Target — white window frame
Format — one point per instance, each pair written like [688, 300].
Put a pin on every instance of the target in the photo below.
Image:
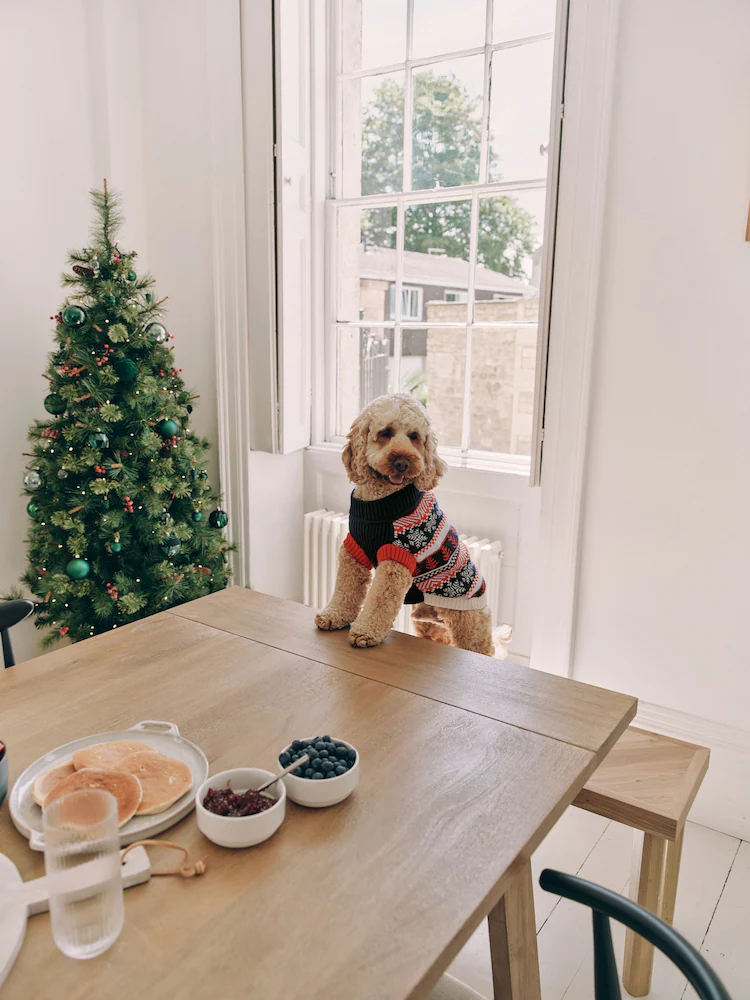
[404, 289]
[460, 295]
[244, 236]
[324, 395]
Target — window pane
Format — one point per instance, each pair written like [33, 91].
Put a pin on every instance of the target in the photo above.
[447, 123]
[519, 111]
[509, 248]
[374, 33]
[366, 267]
[436, 378]
[372, 134]
[364, 368]
[441, 26]
[522, 18]
[503, 364]
[436, 256]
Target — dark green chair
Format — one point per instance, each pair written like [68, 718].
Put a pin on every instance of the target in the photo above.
[605, 905]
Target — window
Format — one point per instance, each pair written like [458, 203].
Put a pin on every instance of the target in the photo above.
[440, 138]
[411, 303]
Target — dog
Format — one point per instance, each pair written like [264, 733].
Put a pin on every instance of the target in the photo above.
[397, 528]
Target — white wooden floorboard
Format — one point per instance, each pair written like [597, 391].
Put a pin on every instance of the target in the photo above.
[565, 939]
[727, 943]
[706, 861]
[566, 847]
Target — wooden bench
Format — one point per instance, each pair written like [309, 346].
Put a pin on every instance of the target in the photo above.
[648, 782]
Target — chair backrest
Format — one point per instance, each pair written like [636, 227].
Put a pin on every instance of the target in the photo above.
[11, 613]
[605, 904]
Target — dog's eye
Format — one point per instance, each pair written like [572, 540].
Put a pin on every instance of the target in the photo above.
[387, 433]
[414, 436]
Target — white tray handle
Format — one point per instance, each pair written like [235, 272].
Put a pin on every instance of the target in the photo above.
[154, 726]
[36, 841]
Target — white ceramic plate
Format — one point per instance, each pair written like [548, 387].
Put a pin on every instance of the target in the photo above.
[162, 736]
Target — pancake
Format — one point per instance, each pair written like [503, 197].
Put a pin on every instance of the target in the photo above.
[106, 756]
[125, 787]
[47, 781]
[163, 779]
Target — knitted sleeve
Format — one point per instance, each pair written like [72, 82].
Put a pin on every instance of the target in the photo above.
[356, 551]
[396, 553]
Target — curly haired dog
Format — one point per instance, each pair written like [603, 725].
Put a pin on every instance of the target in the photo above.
[397, 528]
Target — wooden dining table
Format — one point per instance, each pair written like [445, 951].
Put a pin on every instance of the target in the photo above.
[466, 764]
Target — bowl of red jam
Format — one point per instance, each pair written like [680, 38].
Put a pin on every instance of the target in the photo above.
[232, 813]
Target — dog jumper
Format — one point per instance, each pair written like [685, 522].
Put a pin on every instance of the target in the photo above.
[410, 528]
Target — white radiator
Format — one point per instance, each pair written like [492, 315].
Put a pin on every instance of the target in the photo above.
[325, 530]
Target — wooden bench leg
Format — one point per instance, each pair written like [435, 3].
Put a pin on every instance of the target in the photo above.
[671, 875]
[512, 925]
[645, 889]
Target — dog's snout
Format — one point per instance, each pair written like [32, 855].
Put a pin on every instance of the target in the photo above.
[400, 464]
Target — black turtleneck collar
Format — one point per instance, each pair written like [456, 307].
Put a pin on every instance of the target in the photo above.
[389, 508]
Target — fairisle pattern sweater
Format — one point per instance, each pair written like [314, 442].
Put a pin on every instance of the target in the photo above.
[410, 528]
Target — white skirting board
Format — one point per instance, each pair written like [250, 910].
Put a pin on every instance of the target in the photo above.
[723, 803]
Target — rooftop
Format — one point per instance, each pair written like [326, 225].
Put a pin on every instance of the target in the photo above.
[438, 269]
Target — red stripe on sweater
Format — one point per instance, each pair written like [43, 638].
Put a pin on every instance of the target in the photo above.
[356, 552]
[397, 554]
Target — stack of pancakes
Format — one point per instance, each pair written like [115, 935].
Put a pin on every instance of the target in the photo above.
[143, 781]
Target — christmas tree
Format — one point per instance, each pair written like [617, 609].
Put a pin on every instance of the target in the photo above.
[123, 520]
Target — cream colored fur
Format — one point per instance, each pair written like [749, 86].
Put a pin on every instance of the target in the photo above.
[389, 446]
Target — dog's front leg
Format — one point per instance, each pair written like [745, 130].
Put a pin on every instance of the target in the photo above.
[349, 593]
[386, 595]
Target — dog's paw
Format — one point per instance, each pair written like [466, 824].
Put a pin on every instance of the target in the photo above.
[329, 620]
[361, 635]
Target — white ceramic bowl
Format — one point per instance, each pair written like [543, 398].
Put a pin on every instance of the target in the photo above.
[241, 831]
[317, 794]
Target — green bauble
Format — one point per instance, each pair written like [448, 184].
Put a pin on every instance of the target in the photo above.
[78, 569]
[111, 300]
[132, 275]
[198, 516]
[116, 547]
[198, 474]
[171, 546]
[157, 332]
[149, 296]
[74, 316]
[168, 428]
[55, 403]
[98, 440]
[32, 509]
[126, 369]
[218, 519]
[105, 504]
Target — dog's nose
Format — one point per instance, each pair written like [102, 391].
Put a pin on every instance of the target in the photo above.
[400, 465]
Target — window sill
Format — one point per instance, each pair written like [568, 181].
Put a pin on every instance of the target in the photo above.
[516, 466]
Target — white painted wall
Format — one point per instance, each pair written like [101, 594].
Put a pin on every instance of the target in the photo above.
[664, 588]
[93, 88]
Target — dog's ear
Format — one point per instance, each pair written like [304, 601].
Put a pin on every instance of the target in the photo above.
[354, 454]
[434, 467]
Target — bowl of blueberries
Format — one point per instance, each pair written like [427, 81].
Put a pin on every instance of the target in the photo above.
[329, 776]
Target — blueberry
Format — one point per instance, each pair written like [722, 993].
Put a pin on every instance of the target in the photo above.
[342, 753]
[309, 772]
[327, 765]
[312, 753]
[317, 775]
[322, 753]
[326, 739]
[339, 769]
[284, 759]
[330, 774]
[320, 745]
[296, 744]
[352, 754]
